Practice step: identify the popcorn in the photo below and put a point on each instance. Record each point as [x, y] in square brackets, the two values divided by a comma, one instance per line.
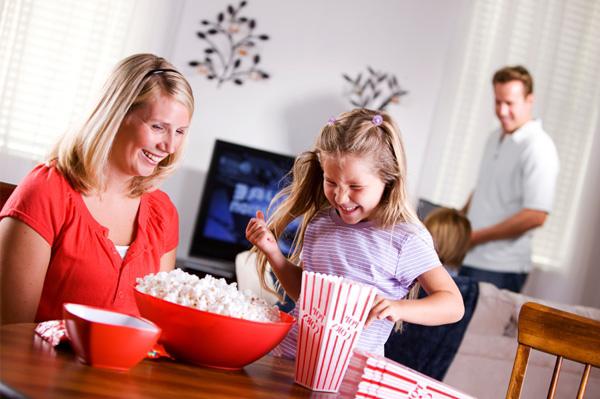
[207, 294]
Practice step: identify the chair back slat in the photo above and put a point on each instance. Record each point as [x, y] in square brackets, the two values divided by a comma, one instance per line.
[563, 334]
[555, 374]
[518, 372]
[584, 381]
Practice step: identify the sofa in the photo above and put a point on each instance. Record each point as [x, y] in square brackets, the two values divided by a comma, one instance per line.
[483, 362]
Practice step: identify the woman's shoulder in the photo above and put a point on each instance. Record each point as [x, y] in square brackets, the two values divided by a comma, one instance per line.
[42, 200]
[160, 203]
[162, 218]
[45, 177]
[159, 198]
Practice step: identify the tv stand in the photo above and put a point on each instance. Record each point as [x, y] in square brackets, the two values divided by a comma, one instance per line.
[216, 268]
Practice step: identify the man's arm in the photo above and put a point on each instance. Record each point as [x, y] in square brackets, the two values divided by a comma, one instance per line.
[512, 227]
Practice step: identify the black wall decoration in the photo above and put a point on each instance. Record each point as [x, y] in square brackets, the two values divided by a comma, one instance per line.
[231, 53]
[377, 88]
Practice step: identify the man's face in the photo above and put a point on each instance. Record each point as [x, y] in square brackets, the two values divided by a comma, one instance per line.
[513, 107]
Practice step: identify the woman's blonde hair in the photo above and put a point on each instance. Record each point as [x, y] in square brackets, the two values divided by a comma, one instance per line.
[356, 133]
[82, 154]
[451, 233]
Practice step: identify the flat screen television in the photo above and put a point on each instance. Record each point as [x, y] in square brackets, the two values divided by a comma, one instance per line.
[240, 181]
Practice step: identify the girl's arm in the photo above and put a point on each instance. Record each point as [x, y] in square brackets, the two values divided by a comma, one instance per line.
[24, 259]
[288, 274]
[443, 305]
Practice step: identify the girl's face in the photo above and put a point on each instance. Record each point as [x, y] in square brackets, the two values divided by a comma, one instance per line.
[352, 186]
[147, 135]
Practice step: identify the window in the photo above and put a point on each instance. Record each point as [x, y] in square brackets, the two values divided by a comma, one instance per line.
[40, 93]
[559, 42]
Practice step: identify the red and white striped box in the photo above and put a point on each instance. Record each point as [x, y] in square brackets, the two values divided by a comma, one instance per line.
[376, 377]
[332, 313]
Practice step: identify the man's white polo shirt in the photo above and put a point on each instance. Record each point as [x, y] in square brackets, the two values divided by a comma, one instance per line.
[517, 171]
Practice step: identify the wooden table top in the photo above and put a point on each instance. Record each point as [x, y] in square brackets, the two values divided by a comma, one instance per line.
[31, 367]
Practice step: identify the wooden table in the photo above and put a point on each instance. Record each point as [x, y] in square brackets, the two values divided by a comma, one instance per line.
[31, 367]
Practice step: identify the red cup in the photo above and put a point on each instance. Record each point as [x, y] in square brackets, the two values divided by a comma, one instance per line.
[108, 339]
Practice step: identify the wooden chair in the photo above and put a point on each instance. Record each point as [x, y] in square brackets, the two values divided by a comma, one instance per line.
[6, 190]
[559, 333]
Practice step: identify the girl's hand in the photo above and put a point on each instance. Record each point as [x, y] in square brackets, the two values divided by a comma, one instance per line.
[260, 236]
[384, 309]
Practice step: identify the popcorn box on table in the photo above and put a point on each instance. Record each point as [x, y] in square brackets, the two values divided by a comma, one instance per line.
[372, 376]
[332, 313]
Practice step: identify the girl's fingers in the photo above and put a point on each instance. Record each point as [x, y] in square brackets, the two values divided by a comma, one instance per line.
[385, 313]
[373, 315]
[254, 225]
[381, 309]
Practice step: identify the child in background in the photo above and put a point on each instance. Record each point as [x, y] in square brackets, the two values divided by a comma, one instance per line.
[430, 349]
[350, 191]
[451, 233]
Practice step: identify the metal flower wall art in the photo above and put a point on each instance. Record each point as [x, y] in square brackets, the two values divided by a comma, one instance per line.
[231, 52]
[376, 91]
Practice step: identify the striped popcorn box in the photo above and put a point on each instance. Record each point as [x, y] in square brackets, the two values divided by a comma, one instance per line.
[376, 377]
[332, 313]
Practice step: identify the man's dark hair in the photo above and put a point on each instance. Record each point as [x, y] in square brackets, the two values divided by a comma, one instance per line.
[511, 73]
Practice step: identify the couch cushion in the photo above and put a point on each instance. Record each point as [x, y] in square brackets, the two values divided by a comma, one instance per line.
[493, 311]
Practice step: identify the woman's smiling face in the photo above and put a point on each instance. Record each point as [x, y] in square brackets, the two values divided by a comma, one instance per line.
[147, 135]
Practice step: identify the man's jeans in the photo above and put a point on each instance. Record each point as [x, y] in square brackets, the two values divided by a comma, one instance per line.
[510, 281]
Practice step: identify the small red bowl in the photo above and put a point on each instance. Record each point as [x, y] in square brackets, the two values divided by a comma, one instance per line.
[104, 338]
[209, 339]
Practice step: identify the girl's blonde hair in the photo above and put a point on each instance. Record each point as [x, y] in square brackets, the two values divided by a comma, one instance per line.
[356, 133]
[82, 154]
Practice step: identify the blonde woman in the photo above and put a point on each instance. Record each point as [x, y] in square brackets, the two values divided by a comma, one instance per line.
[81, 227]
[350, 191]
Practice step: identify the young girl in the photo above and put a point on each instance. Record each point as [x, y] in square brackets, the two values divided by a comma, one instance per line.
[350, 191]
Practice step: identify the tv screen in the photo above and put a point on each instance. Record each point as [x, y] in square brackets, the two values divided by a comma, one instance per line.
[240, 181]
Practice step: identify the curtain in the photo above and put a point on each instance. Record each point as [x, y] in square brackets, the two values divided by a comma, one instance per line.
[54, 56]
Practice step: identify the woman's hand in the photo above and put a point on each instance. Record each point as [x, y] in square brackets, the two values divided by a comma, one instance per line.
[384, 309]
[260, 236]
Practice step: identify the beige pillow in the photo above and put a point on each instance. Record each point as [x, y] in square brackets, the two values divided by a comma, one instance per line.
[493, 310]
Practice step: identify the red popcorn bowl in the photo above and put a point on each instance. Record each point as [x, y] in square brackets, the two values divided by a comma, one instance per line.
[104, 338]
[210, 339]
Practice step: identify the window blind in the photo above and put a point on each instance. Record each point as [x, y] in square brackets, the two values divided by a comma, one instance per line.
[40, 92]
[559, 42]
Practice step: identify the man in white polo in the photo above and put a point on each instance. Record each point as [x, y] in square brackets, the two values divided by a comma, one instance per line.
[515, 188]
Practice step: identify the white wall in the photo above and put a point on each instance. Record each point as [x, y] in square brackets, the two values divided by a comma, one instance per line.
[312, 43]
[577, 281]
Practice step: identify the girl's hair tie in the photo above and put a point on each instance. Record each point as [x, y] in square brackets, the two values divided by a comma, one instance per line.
[377, 120]
[331, 121]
